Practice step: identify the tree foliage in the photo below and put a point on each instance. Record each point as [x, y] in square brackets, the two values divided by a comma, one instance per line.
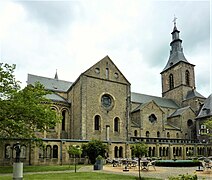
[139, 150]
[74, 150]
[94, 148]
[23, 110]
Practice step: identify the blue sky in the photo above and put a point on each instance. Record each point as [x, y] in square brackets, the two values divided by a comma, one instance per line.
[70, 36]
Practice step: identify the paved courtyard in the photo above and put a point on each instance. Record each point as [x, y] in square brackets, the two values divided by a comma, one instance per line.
[160, 172]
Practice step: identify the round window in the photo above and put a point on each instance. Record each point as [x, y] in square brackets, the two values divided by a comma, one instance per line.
[106, 101]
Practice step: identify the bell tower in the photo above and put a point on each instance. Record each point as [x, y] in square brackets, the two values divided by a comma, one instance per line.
[178, 75]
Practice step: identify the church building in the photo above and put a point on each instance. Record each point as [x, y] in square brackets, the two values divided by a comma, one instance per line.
[100, 105]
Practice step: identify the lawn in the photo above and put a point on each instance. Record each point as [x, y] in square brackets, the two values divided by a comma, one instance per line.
[9, 169]
[78, 176]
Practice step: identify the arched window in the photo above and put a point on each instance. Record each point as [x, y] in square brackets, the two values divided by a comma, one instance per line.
[171, 81]
[52, 126]
[177, 135]
[147, 134]
[116, 150]
[41, 152]
[107, 73]
[121, 152]
[116, 124]
[55, 151]
[63, 120]
[48, 151]
[7, 151]
[168, 135]
[158, 134]
[97, 123]
[187, 77]
[135, 133]
[23, 151]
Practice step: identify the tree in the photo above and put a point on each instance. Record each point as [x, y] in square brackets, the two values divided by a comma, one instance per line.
[23, 110]
[139, 150]
[93, 149]
[75, 151]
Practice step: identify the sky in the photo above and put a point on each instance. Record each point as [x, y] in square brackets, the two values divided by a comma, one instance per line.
[71, 36]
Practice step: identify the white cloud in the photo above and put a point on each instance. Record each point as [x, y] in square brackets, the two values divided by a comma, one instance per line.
[71, 36]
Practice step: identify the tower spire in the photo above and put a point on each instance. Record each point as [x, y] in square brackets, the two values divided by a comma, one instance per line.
[56, 76]
[176, 52]
[174, 20]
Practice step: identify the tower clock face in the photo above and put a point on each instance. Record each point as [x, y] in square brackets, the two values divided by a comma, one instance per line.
[106, 101]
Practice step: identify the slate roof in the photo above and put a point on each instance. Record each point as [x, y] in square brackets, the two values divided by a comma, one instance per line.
[56, 97]
[143, 98]
[179, 111]
[170, 126]
[193, 93]
[174, 59]
[50, 83]
[206, 109]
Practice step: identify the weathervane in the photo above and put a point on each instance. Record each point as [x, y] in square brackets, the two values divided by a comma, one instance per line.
[174, 20]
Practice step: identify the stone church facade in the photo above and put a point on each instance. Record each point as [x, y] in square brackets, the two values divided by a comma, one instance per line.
[100, 105]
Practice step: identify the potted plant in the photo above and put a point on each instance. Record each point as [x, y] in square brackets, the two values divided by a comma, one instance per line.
[99, 163]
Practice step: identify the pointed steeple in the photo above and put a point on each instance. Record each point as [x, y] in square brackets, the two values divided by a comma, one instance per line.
[56, 76]
[176, 52]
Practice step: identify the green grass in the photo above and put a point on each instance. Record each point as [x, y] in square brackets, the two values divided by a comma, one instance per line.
[9, 169]
[78, 176]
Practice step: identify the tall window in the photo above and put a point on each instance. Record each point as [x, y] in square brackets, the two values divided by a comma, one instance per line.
[116, 124]
[168, 135]
[48, 151]
[187, 77]
[116, 151]
[171, 81]
[63, 120]
[121, 152]
[135, 133]
[147, 134]
[23, 151]
[7, 151]
[97, 123]
[107, 73]
[55, 151]
[158, 134]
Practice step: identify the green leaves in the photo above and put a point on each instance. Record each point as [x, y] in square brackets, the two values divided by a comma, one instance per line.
[139, 150]
[95, 148]
[23, 110]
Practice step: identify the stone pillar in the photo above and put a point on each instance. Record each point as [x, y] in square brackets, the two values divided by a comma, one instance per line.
[18, 171]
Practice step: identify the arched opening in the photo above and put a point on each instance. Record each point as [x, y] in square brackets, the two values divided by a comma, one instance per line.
[147, 134]
[55, 151]
[116, 150]
[7, 151]
[23, 152]
[171, 81]
[116, 124]
[121, 152]
[97, 123]
[48, 152]
[63, 120]
[158, 134]
[135, 133]
[168, 135]
[187, 78]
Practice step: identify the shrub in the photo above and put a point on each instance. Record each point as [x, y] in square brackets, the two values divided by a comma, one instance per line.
[184, 177]
[177, 163]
